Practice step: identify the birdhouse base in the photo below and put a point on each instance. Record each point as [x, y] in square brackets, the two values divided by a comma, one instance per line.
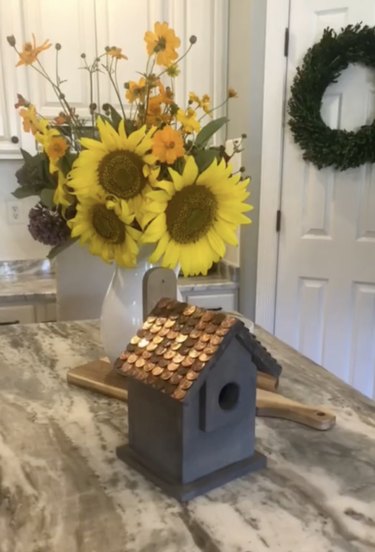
[188, 491]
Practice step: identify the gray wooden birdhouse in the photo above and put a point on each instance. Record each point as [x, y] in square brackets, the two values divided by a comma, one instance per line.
[191, 398]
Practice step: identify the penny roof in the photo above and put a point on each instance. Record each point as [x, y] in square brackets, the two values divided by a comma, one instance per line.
[175, 344]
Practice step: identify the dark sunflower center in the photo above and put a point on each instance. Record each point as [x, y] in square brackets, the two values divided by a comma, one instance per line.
[191, 213]
[108, 225]
[120, 173]
[160, 45]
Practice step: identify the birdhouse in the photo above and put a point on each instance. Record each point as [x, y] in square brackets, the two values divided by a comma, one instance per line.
[191, 377]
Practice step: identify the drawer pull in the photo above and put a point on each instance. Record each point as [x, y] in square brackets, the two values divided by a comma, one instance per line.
[9, 323]
[14, 139]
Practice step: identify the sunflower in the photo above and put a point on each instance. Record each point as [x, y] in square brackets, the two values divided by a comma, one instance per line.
[104, 226]
[116, 165]
[194, 215]
[162, 42]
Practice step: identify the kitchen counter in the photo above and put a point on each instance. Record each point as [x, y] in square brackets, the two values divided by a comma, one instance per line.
[27, 281]
[63, 489]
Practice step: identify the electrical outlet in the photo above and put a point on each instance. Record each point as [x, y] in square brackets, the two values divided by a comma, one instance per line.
[15, 212]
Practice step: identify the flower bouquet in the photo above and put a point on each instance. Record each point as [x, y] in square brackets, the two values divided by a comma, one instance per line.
[145, 173]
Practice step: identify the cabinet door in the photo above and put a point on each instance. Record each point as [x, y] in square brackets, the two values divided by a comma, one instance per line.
[224, 301]
[17, 314]
[12, 79]
[72, 24]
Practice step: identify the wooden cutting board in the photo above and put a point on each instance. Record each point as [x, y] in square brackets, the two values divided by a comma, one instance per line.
[98, 375]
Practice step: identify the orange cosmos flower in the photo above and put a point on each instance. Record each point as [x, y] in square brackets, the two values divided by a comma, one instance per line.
[168, 145]
[116, 53]
[29, 119]
[31, 51]
[162, 42]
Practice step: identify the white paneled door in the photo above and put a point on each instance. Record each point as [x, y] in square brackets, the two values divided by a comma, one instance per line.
[325, 303]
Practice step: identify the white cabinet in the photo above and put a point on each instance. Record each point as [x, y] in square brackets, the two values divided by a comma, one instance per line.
[17, 314]
[226, 301]
[27, 313]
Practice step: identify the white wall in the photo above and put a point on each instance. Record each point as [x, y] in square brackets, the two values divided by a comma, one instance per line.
[16, 242]
[247, 22]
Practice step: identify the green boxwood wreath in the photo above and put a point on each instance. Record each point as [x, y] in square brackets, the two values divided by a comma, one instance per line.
[322, 65]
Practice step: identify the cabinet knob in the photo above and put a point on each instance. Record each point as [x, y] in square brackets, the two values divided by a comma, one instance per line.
[15, 139]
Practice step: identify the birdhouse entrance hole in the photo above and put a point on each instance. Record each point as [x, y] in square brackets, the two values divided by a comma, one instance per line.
[228, 396]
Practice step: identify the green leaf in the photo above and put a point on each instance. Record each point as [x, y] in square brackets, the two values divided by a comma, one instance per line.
[59, 248]
[22, 192]
[209, 130]
[204, 158]
[46, 197]
[26, 155]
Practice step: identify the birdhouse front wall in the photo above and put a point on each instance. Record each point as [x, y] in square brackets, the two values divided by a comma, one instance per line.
[219, 419]
[155, 429]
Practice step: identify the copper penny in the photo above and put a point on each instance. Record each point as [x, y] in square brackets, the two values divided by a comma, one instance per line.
[131, 348]
[163, 332]
[193, 353]
[132, 358]
[200, 346]
[160, 350]
[204, 358]
[185, 330]
[166, 375]
[195, 334]
[152, 346]
[147, 325]
[163, 302]
[190, 322]
[210, 350]
[140, 363]
[211, 329]
[155, 358]
[161, 320]
[216, 339]
[190, 342]
[190, 309]
[197, 314]
[228, 322]
[175, 379]
[157, 371]
[172, 334]
[222, 331]
[179, 394]
[169, 354]
[172, 303]
[141, 333]
[143, 343]
[201, 325]
[205, 338]
[125, 367]
[208, 316]
[151, 319]
[155, 329]
[163, 363]
[176, 346]
[157, 339]
[172, 366]
[146, 354]
[178, 358]
[149, 366]
[191, 375]
[198, 366]
[187, 362]
[124, 355]
[135, 340]
[186, 384]
[218, 318]
[184, 350]
[169, 323]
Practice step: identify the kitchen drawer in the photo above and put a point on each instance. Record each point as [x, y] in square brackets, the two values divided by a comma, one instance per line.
[225, 301]
[17, 314]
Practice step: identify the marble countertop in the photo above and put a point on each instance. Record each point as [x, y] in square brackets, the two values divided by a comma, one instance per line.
[62, 488]
[27, 281]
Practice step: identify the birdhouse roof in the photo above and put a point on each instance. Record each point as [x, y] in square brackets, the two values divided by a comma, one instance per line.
[177, 343]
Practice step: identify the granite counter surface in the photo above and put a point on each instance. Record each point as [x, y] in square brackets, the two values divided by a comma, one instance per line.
[62, 489]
